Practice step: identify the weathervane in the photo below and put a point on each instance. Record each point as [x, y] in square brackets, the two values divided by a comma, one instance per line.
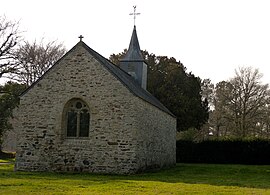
[134, 14]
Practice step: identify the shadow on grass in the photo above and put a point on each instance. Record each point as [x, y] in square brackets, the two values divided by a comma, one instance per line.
[219, 175]
[6, 155]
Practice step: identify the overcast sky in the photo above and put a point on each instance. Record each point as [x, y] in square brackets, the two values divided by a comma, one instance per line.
[210, 37]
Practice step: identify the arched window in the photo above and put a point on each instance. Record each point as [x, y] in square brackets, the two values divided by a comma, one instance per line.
[77, 119]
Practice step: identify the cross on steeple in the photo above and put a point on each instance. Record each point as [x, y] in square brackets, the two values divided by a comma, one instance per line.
[80, 37]
[134, 14]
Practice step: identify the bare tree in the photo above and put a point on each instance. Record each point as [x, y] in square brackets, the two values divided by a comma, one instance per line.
[250, 97]
[9, 38]
[222, 116]
[35, 59]
[241, 103]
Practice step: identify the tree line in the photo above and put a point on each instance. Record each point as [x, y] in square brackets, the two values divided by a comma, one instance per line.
[240, 106]
[236, 108]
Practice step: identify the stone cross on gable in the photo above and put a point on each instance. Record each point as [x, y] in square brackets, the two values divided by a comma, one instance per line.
[134, 14]
[80, 37]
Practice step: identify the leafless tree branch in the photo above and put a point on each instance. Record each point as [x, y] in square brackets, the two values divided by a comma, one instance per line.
[9, 38]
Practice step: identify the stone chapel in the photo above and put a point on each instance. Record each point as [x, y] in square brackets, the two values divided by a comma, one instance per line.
[86, 114]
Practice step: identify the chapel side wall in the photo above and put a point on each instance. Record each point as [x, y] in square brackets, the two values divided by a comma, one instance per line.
[42, 145]
[156, 137]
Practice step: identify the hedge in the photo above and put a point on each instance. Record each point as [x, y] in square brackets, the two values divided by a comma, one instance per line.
[4, 155]
[224, 152]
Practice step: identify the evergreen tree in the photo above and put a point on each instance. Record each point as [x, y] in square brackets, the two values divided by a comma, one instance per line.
[178, 90]
[9, 99]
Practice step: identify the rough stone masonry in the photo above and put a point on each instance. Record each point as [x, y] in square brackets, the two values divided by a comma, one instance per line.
[129, 130]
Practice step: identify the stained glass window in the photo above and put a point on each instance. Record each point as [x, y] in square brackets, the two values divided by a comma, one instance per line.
[71, 124]
[78, 119]
[84, 123]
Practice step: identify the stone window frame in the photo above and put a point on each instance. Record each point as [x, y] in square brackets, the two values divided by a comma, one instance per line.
[71, 105]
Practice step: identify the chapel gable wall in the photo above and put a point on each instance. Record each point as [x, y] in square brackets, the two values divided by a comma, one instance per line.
[42, 143]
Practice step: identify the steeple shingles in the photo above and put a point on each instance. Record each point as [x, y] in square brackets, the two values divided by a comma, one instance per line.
[133, 62]
[134, 51]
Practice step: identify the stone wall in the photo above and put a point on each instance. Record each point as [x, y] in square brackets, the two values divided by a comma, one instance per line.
[112, 146]
[156, 137]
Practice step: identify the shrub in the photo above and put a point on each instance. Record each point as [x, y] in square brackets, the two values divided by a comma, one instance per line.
[4, 155]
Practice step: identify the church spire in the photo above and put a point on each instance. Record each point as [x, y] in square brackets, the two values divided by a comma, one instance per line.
[133, 62]
[134, 51]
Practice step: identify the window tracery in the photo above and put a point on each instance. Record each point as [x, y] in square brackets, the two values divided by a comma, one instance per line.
[77, 119]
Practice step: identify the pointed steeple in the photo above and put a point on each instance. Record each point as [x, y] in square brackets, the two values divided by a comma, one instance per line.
[134, 51]
[133, 62]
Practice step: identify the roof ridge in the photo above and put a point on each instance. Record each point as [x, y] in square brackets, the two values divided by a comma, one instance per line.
[121, 75]
[34, 83]
[129, 82]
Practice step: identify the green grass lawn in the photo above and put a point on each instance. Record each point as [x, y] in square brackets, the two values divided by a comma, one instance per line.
[7, 160]
[183, 179]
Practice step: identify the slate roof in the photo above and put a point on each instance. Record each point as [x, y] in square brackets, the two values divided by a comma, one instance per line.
[134, 51]
[121, 75]
[127, 80]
